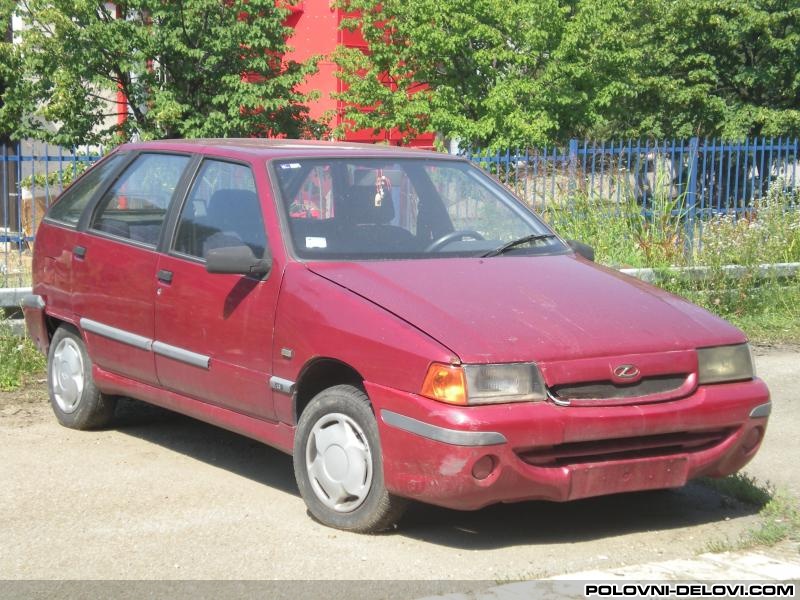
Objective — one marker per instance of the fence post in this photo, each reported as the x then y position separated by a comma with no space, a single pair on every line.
691,197
573,168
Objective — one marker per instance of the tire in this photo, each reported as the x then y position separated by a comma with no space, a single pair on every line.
324,462
76,402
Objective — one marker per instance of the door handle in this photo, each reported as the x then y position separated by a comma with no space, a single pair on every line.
164,276
79,252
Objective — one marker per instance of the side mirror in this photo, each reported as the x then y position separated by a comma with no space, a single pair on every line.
237,260
585,250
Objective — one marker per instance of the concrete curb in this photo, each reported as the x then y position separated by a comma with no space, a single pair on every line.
721,567
12,297
782,270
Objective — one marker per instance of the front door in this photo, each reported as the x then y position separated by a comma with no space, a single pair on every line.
214,332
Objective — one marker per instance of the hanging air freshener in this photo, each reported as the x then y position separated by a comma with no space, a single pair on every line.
380,185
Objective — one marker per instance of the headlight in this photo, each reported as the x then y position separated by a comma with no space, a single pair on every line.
484,384
725,363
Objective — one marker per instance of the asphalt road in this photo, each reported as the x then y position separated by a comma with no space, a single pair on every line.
162,496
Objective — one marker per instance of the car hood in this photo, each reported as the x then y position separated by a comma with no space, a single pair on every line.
542,308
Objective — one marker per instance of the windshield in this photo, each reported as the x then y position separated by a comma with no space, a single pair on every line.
368,208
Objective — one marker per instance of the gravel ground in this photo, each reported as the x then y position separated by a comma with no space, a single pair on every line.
162,496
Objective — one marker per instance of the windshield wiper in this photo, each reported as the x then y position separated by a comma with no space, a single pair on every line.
518,242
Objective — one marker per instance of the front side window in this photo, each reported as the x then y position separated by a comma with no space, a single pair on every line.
135,206
369,208
222,210
70,206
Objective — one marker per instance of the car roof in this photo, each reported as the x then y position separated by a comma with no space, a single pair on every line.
281,148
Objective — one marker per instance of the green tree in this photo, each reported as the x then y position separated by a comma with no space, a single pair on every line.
527,72
191,68
9,60
465,68
734,66
678,68
600,82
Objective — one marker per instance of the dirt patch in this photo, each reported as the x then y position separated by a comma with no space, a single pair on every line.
764,349
27,405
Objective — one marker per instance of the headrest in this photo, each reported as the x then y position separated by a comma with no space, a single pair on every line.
357,207
227,206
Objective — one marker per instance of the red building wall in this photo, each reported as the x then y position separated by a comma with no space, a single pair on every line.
316,32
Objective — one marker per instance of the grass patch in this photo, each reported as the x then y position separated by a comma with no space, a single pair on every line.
19,359
779,514
767,310
772,328
741,487
780,521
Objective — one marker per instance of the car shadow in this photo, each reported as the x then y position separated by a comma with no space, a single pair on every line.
505,525
497,526
207,443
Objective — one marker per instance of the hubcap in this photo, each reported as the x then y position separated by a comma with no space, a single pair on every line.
66,373
339,462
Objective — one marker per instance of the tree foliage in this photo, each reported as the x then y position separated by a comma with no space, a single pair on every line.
466,68
527,72
739,64
9,64
678,68
190,68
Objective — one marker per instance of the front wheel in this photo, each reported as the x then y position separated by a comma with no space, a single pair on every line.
338,463
76,402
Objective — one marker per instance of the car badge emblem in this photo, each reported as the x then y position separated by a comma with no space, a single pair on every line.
626,371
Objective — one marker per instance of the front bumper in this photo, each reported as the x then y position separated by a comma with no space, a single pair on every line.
540,451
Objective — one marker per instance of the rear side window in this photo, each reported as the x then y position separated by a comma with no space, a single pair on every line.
135,206
70,207
222,210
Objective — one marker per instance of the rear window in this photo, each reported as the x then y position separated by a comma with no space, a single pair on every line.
69,208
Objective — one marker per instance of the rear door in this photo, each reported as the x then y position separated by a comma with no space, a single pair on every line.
115,260
214,332
53,258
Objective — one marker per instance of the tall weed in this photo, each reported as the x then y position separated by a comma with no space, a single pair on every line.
18,359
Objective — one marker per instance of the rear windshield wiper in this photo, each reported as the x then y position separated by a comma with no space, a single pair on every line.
518,242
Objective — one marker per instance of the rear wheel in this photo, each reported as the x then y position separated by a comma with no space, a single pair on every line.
338,463
76,402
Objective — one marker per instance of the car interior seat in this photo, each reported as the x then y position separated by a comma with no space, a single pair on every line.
365,227
233,217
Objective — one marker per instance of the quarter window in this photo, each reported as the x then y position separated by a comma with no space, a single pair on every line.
70,207
222,210
135,206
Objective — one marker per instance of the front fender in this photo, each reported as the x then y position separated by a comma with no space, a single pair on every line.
318,318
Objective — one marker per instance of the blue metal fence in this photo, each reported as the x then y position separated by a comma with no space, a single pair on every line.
701,176
32,174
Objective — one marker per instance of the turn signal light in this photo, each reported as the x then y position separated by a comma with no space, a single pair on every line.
445,383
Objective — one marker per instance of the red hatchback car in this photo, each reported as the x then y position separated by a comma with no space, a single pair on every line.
395,319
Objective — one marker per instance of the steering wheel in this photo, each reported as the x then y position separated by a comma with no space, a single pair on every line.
442,241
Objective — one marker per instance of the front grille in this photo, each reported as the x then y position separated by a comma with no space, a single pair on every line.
617,449
602,390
